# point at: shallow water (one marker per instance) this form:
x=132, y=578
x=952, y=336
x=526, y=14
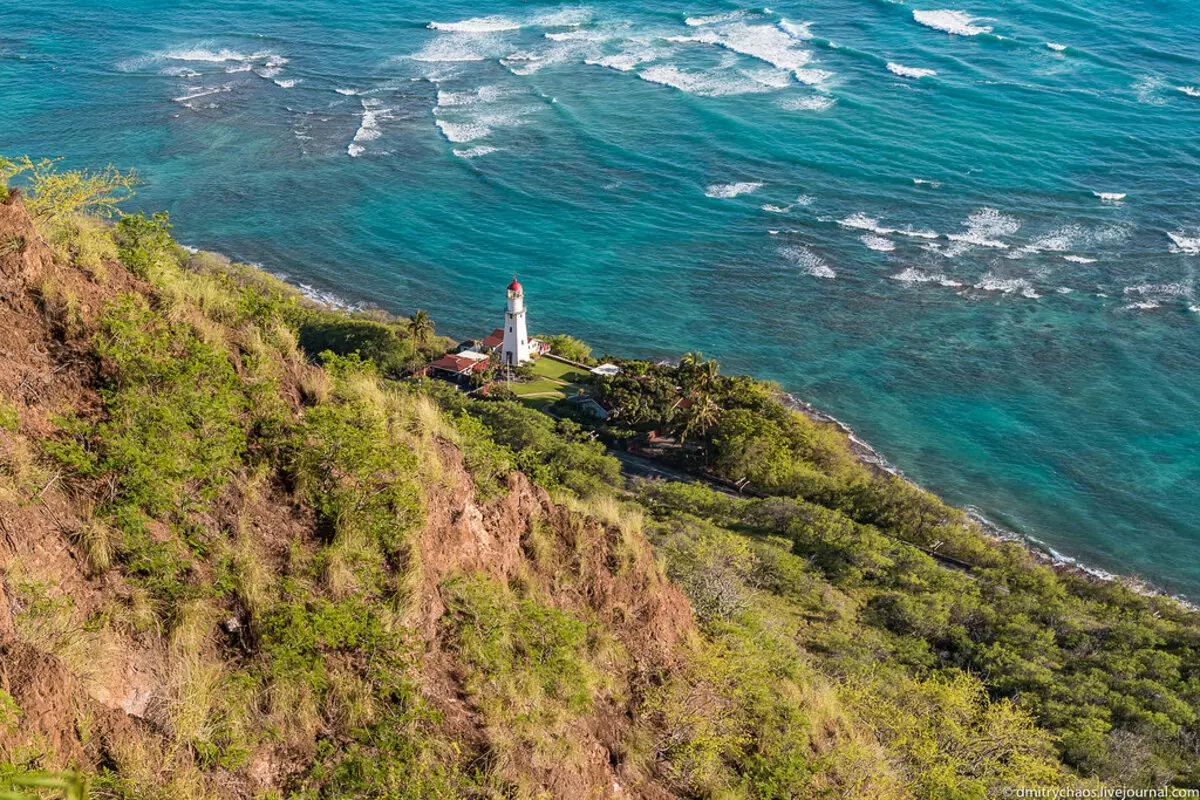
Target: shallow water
x=906, y=213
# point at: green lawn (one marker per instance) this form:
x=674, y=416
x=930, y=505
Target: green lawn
x=543, y=386
x=549, y=368
x=556, y=381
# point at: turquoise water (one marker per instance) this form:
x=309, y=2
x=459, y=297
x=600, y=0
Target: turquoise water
x=921, y=249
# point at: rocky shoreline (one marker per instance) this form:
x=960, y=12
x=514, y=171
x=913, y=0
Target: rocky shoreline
x=1040, y=551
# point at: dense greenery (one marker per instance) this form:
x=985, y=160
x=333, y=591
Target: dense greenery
x=247, y=481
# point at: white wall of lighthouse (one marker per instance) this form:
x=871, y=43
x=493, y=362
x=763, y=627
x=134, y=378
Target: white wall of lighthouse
x=515, y=350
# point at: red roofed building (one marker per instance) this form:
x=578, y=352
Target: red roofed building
x=460, y=366
x=494, y=340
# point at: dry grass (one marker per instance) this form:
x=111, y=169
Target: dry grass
x=86, y=242
x=95, y=539
x=251, y=576
x=61, y=308
x=21, y=474
x=350, y=702
x=193, y=675
x=313, y=383
x=47, y=620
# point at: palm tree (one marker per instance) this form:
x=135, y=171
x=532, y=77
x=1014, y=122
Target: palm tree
x=699, y=418
x=420, y=327
x=697, y=375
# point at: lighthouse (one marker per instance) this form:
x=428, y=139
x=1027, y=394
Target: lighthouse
x=516, y=350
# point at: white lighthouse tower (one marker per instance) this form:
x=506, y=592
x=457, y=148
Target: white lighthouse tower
x=515, y=351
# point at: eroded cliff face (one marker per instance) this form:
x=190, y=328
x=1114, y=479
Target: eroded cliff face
x=90, y=689
x=584, y=566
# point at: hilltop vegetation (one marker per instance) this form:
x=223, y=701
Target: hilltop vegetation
x=240, y=556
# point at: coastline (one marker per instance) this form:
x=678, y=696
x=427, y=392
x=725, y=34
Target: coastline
x=860, y=448
x=1039, y=550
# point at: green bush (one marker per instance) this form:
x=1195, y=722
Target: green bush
x=527, y=663
x=174, y=429
x=343, y=335
x=568, y=347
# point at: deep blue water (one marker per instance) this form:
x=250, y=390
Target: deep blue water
x=925, y=256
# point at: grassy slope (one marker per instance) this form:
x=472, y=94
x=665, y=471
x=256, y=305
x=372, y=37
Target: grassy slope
x=231, y=571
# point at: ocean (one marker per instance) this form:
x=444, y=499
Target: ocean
x=970, y=230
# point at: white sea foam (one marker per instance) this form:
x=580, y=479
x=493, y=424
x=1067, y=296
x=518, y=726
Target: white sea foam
x=1058, y=48
x=234, y=68
x=909, y=72
x=984, y=229
x=214, y=56
x=764, y=42
x=712, y=19
x=272, y=67
x=372, y=114
x=477, y=25
x=773, y=78
x=1186, y=242
x=797, y=30
x=877, y=243
x=627, y=60
x=287, y=83
x=803, y=200
x=194, y=92
x=913, y=275
x=562, y=18
x=1190, y=91
x=775, y=209
x=1058, y=241
x=993, y=283
x=809, y=261
x=459, y=132
x=458, y=47
x=589, y=35
x=813, y=77
x=705, y=84
x=1064, y=290
x=861, y=222
x=476, y=152
x=924, y=182
x=349, y=92
x=1148, y=90
x=1079, y=259
x=484, y=94
x=624, y=62
x=1110, y=197
x=815, y=102
x=1160, y=292
x=727, y=190
x=959, y=23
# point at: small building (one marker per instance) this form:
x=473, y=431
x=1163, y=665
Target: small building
x=586, y=404
x=606, y=370
x=459, y=367
x=492, y=342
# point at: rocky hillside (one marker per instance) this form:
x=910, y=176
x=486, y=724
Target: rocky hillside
x=240, y=560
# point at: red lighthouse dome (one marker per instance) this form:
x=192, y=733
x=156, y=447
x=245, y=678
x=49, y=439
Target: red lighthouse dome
x=516, y=286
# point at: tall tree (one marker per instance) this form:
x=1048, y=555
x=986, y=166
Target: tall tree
x=420, y=327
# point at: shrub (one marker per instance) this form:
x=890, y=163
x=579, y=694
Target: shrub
x=174, y=431
x=568, y=347
x=346, y=462
x=55, y=194
x=528, y=664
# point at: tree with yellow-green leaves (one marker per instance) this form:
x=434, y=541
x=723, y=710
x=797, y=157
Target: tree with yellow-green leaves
x=54, y=194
